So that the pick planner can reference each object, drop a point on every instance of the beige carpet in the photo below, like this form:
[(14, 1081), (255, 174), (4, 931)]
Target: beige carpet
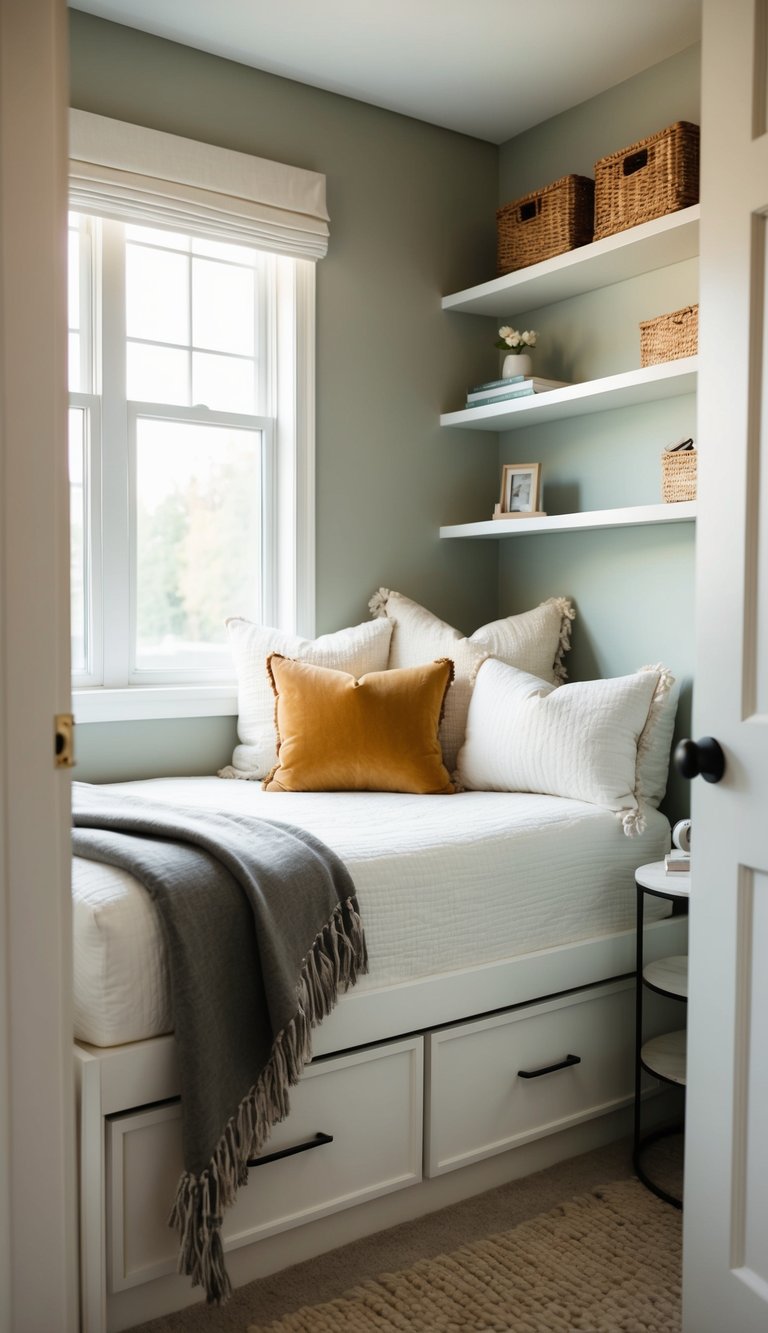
[(608, 1262), (330, 1276)]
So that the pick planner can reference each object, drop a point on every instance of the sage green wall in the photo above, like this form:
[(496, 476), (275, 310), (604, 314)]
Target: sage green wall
[(633, 588), (412, 217)]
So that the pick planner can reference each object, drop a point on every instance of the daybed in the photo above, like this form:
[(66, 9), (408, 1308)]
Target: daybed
[(493, 1033), (500, 936)]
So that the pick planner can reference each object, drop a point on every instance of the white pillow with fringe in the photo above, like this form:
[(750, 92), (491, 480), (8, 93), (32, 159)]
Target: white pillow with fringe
[(653, 757), (357, 650), (583, 741), (534, 641)]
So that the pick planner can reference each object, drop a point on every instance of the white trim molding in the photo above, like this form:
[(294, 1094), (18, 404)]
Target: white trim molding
[(138, 703)]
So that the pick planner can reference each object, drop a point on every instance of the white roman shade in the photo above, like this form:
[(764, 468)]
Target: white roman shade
[(125, 171)]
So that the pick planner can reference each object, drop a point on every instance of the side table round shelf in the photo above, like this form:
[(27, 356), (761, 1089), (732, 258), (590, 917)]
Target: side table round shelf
[(662, 1056)]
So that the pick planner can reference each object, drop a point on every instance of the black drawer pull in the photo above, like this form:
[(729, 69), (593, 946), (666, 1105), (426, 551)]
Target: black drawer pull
[(550, 1069), (316, 1142)]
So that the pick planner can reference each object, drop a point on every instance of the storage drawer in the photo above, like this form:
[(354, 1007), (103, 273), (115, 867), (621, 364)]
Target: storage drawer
[(480, 1104), (369, 1101)]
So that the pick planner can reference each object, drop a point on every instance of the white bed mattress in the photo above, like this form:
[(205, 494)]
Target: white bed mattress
[(443, 883)]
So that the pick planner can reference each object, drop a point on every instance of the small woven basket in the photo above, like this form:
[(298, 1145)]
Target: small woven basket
[(652, 177), (678, 475), (668, 337), (545, 223)]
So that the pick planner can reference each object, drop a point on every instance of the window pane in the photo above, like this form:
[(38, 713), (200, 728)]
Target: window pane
[(198, 541), (157, 374), (222, 307), (173, 240), (73, 285), (78, 571), (74, 363), (79, 279), (223, 382), (239, 254), (157, 296)]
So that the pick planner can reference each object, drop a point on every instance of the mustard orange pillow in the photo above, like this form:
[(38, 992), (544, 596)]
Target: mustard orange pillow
[(378, 733)]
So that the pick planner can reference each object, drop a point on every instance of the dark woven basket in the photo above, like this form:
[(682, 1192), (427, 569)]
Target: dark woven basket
[(545, 223), (652, 177), (668, 337)]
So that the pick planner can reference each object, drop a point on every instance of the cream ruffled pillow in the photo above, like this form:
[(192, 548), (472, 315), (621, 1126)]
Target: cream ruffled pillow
[(534, 641), (585, 741), (358, 650)]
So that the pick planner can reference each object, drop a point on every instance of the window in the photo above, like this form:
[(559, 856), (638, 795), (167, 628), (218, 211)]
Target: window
[(190, 450), (177, 535)]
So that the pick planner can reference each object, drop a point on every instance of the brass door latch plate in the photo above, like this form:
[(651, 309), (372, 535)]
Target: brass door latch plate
[(64, 741)]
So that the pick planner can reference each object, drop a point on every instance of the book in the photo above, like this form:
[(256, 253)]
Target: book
[(494, 384), (680, 446), (500, 390), (524, 391), (514, 389), (677, 863)]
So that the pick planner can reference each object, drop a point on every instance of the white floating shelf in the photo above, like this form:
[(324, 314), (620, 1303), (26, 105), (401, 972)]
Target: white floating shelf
[(651, 384), (684, 511), (652, 245)]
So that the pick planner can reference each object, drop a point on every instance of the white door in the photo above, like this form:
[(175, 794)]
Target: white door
[(38, 1274), (725, 1285)]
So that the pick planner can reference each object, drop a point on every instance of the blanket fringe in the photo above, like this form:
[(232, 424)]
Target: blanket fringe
[(337, 957)]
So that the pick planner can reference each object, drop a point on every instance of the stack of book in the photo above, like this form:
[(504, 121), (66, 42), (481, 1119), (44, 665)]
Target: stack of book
[(501, 391), (676, 861)]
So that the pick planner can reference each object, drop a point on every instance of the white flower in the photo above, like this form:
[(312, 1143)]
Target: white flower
[(515, 341)]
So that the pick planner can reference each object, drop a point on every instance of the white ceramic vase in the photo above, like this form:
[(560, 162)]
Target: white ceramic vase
[(516, 363)]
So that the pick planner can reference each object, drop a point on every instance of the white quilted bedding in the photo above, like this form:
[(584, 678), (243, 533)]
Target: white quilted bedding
[(443, 882)]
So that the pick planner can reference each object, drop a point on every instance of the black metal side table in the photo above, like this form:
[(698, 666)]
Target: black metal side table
[(663, 1056)]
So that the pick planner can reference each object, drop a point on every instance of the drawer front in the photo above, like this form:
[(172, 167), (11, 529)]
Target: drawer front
[(480, 1104), (370, 1104)]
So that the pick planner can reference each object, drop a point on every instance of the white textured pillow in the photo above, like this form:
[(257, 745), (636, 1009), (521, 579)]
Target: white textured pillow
[(534, 641), (655, 744), (581, 741), (357, 650)]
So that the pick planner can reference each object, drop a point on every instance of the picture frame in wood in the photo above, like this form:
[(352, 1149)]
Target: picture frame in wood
[(520, 491)]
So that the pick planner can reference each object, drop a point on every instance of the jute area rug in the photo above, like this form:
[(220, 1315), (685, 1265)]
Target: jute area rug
[(608, 1262)]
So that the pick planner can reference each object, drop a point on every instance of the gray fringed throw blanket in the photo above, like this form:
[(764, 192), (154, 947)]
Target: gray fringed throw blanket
[(262, 932)]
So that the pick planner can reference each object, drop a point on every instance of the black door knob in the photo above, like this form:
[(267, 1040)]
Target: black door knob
[(703, 757)]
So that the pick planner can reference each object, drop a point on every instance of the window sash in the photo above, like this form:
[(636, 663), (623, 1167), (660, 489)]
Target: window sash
[(263, 426)]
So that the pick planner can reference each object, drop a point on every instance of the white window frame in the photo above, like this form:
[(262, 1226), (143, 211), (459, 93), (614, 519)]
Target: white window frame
[(90, 404), (224, 180)]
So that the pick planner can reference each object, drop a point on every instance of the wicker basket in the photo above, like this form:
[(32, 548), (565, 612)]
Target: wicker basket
[(545, 223), (678, 475), (668, 337), (655, 176)]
